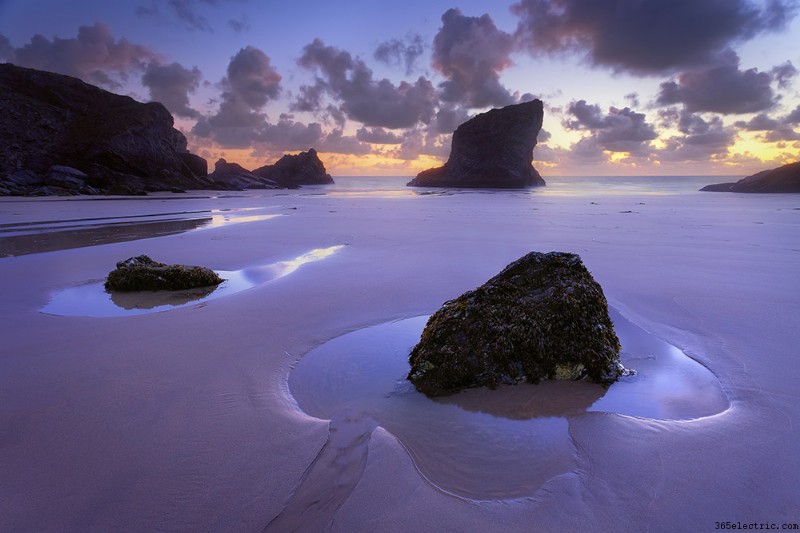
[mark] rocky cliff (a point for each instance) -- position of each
(781, 179)
(59, 135)
(493, 150)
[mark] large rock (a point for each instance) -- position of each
(292, 171)
(234, 176)
(492, 150)
(543, 317)
(781, 179)
(111, 144)
(143, 274)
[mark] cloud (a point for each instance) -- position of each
(703, 138)
(720, 88)
(448, 118)
(378, 136)
(472, 52)
(397, 52)
(6, 50)
(774, 130)
(794, 116)
(376, 103)
(252, 78)
(784, 74)
(240, 24)
(94, 55)
(337, 142)
(619, 130)
(760, 122)
(645, 37)
(171, 85)
(184, 10)
(250, 83)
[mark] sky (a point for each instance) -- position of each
(630, 87)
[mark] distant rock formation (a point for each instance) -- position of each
(491, 150)
(289, 172)
(59, 135)
(543, 317)
(781, 179)
(292, 171)
(234, 176)
(143, 274)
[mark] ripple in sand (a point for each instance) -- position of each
(500, 444)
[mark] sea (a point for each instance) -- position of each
(393, 186)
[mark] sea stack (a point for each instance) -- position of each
(491, 150)
(292, 171)
(542, 318)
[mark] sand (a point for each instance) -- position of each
(182, 420)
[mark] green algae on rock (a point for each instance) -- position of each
(543, 317)
(143, 274)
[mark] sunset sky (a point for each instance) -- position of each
(662, 87)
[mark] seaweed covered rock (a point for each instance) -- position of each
(143, 274)
(543, 317)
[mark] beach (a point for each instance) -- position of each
(183, 419)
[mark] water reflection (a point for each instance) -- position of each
(499, 444)
(92, 300)
(52, 235)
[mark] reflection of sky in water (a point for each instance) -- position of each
(218, 220)
(92, 300)
(498, 444)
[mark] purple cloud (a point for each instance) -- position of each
(472, 52)
(94, 55)
(720, 88)
(619, 130)
(376, 103)
(645, 37)
(171, 85)
(397, 52)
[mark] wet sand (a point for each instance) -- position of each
(183, 419)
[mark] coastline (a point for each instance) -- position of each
(182, 419)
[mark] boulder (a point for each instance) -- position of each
(781, 179)
(234, 176)
(292, 171)
(491, 150)
(118, 145)
(542, 318)
(143, 274)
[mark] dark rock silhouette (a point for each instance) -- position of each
(543, 317)
(781, 179)
(143, 274)
(492, 150)
(234, 176)
(59, 135)
(292, 171)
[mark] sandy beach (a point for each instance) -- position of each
(183, 420)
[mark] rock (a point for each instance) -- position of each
(543, 317)
(234, 176)
(781, 179)
(143, 274)
(118, 145)
(292, 171)
(491, 150)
